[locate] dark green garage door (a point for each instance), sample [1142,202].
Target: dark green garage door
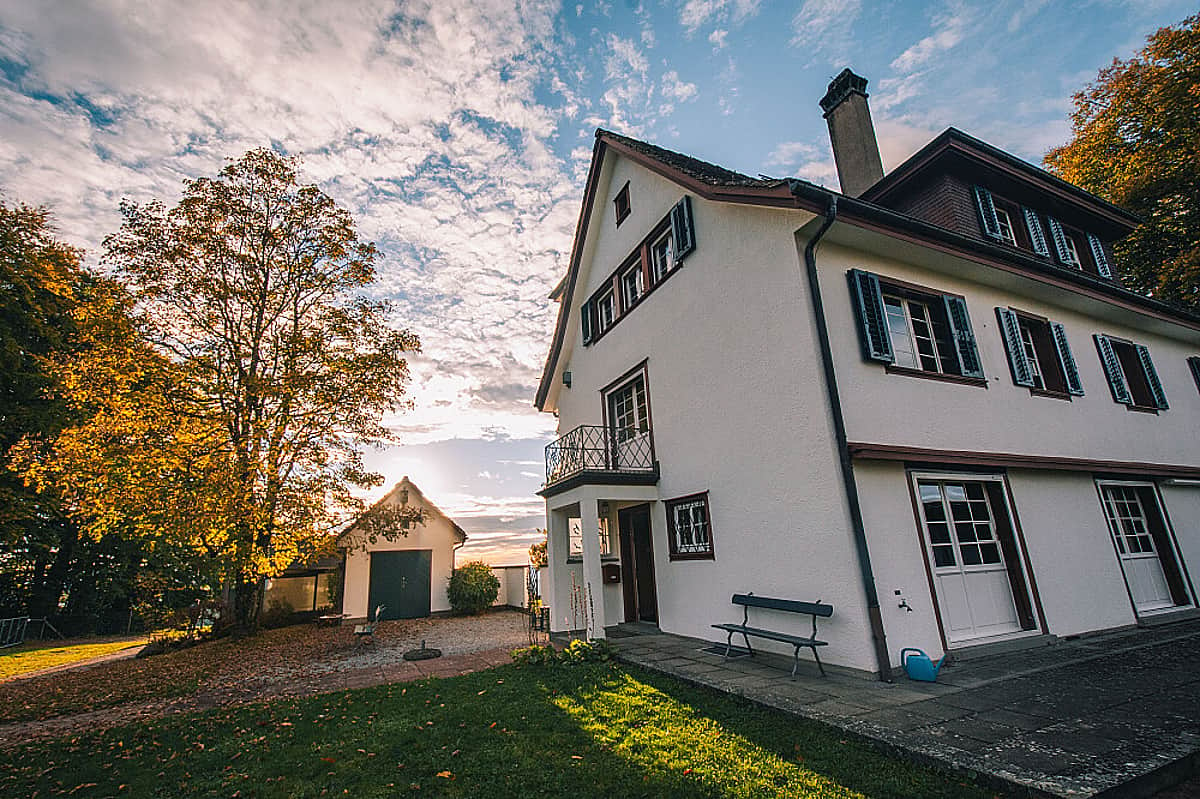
[400,581]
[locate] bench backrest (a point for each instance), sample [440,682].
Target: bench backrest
[786,605]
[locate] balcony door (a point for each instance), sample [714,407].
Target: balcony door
[628,410]
[1144,547]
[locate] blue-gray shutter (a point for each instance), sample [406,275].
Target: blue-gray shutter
[987,212]
[585,313]
[964,338]
[1066,360]
[1010,329]
[1060,242]
[1037,236]
[872,321]
[1194,365]
[1112,370]
[1099,256]
[1160,397]
[682,228]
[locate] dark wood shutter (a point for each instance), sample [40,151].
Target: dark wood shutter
[1156,389]
[964,337]
[987,212]
[1060,242]
[872,322]
[1194,365]
[585,313]
[682,228]
[1112,370]
[1066,359]
[1037,236]
[1099,256]
[1010,329]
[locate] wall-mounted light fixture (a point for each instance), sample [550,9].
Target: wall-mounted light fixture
[567,379]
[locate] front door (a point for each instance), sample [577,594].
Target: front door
[975,592]
[400,581]
[637,564]
[1142,548]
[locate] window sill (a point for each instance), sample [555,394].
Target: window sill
[692,556]
[1142,409]
[945,378]
[1042,392]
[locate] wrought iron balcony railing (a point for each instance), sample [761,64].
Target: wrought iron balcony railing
[592,448]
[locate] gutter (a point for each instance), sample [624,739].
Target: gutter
[844,459]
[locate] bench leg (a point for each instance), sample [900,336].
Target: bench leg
[817,658]
[728,644]
[749,648]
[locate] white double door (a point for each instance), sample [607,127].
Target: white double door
[975,592]
[1129,524]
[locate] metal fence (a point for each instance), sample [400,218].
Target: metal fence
[593,448]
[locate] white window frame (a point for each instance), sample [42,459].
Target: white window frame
[631,293]
[1004,221]
[905,305]
[661,263]
[575,538]
[1031,356]
[605,302]
[1072,250]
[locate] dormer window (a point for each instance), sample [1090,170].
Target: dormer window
[1071,252]
[621,204]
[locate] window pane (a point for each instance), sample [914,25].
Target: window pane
[943,556]
[955,491]
[974,491]
[929,492]
[935,511]
[990,552]
[970,555]
[966,532]
[939,533]
[960,511]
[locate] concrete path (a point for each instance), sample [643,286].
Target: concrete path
[1110,715]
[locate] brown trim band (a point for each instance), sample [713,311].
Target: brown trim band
[893,452]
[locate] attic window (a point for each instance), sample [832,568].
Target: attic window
[621,203]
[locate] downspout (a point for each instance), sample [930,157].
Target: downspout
[839,431]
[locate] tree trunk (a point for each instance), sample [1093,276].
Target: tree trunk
[43,600]
[247,599]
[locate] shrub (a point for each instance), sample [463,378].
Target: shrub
[578,651]
[535,655]
[279,614]
[473,588]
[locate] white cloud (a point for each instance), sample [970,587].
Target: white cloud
[824,27]
[950,28]
[694,14]
[717,38]
[676,89]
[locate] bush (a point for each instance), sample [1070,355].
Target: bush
[473,588]
[279,614]
[578,651]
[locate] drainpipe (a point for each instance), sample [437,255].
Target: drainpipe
[839,431]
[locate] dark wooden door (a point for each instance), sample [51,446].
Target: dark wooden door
[400,580]
[637,564]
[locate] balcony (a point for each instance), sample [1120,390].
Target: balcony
[591,454]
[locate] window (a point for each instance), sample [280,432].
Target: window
[627,407]
[575,539]
[629,413]
[1131,375]
[1039,354]
[690,528]
[631,285]
[1004,223]
[914,329]
[621,203]
[662,257]
[655,258]
[1194,365]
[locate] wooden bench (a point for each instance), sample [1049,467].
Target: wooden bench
[744,629]
[366,632]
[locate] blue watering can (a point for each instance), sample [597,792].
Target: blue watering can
[919,666]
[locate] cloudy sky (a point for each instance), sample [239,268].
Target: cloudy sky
[459,132]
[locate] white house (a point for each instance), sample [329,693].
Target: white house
[923,400]
[406,573]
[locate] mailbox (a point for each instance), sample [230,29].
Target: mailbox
[611,572]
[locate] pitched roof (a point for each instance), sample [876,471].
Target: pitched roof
[406,485]
[702,171]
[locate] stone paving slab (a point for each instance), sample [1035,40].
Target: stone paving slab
[1110,715]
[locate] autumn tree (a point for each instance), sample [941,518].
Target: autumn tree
[1137,144]
[252,290]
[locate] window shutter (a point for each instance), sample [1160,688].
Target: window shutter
[682,229]
[1194,365]
[872,322]
[1112,370]
[1066,359]
[987,212]
[1036,234]
[964,338]
[1010,329]
[1100,257]
[585,313]
[1060,241]
[1160,397]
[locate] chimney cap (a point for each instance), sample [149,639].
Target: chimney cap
[841,87]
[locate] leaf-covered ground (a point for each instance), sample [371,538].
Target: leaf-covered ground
[582,731]
[49,654]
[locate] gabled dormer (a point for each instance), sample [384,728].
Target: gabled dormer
[964,185]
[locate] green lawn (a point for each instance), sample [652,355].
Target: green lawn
[582,731]
[45,654]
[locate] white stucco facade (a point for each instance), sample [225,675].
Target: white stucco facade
[740,410]
[437,534]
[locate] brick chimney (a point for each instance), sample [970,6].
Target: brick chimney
[855,150]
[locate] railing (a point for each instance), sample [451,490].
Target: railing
[592,448]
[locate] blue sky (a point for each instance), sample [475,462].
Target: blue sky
[459,131]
